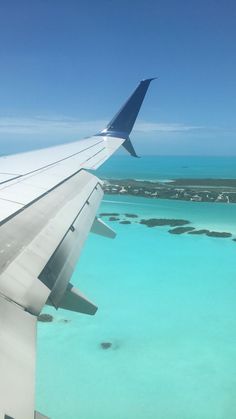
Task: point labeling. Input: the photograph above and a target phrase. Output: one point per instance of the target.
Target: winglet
(129, 147)
(124, 120)
(122, 123)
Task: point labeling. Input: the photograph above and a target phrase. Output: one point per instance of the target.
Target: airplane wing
(48, 205)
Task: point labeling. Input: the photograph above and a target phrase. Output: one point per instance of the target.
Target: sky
(67, 67)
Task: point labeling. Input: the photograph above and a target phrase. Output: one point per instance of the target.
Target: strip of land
(199, 190)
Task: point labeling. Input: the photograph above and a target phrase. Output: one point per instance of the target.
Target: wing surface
(48, 205)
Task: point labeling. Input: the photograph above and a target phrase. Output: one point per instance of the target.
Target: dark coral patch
(218, 234)
(45, 318)
(109, 214)
(212, 233)
(154, 222)
(106, 345)
(181, 230)
(203, 231)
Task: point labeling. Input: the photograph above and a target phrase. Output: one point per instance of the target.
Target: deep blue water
(168, 167)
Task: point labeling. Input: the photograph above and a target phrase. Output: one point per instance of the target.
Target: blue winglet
(122, 123)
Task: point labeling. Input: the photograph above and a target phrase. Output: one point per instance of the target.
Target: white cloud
(164, 127)
(43, 125)
(66, 125)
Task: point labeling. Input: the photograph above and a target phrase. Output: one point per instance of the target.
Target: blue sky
(67, 66)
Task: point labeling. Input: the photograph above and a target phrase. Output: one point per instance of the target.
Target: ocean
(166, 304)
(168, 167)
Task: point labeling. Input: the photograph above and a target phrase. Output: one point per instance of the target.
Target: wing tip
(148, 80)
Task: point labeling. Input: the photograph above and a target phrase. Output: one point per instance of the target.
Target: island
(197, 190)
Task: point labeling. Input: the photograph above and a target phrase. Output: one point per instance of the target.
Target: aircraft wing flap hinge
(38, 415)
(102, 229)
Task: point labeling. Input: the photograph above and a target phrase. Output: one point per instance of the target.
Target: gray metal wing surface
(48, 205)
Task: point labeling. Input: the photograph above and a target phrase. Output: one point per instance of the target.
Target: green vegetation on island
(197, 190)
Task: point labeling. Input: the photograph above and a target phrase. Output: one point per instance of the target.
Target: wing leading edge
(48, 205)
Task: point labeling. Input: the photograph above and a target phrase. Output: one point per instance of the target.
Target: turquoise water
(167, 305)
(169, 167)
(213, 216)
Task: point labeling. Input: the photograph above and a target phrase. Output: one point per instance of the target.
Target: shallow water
(218, 216)
(167, 305)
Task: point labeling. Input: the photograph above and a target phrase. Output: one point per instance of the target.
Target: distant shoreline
(198, 190)
(231, 183)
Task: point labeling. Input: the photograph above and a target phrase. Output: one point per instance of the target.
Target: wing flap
(58, 271)
(31, 237)
(73, 300)
(17, 361)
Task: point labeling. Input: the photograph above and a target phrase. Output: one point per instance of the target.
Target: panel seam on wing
(10, 200)
(55, 162)
(41, 196)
